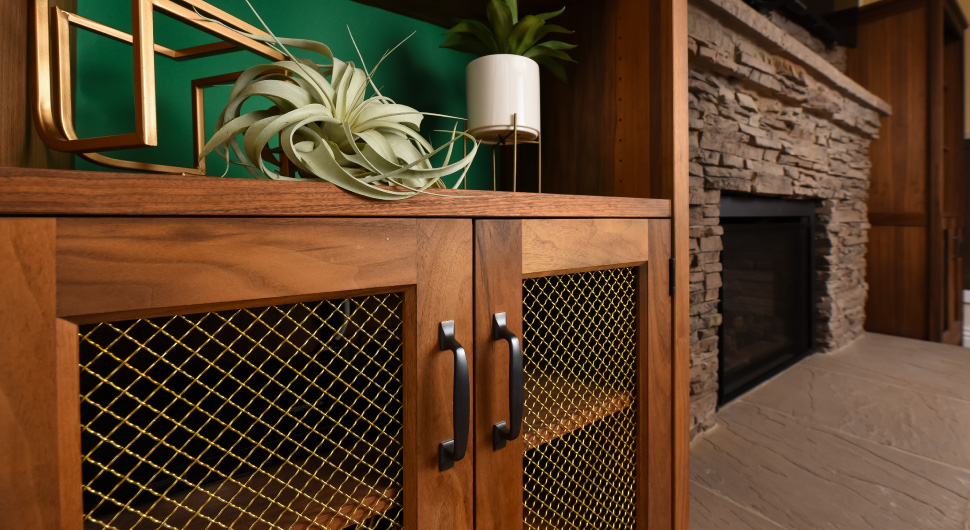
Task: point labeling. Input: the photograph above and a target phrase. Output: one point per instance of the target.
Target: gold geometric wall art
(52, 84)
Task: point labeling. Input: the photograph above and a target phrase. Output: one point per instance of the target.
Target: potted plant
(504, 81)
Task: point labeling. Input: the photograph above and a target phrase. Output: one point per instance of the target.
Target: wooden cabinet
(910, 53)
(202, 360)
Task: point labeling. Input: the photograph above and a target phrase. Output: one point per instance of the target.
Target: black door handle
(451, 451)
(501, 432)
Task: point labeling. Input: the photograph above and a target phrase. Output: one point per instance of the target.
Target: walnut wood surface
(894, 68)
(498, 289)
(910, 54)
(444, 500)
(557, 246)
(69, 425)
(657, 412)
(54, 192)
(29, 430)
(108, 267)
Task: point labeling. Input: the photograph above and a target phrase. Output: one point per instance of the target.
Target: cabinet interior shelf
(562, 406)
(342, 500)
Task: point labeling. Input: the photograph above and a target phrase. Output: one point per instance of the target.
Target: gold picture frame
(52, 84)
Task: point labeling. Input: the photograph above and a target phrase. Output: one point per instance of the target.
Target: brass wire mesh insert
(579, 429)
(285, 416)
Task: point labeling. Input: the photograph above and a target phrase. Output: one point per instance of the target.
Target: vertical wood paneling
(935, 244)
(910, 54)
(896, 275)
(632, 156)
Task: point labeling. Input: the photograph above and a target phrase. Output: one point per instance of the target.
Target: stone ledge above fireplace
(770, 117)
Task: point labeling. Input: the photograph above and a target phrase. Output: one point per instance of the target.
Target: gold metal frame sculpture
(53, 112)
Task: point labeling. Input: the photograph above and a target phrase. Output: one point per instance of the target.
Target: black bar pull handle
(451, 451)
(502, 432)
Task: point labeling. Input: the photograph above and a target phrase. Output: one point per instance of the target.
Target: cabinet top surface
(47, 192)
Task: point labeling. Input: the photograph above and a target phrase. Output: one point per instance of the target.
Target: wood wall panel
(910, 54)
(897, 293)
(890, 61)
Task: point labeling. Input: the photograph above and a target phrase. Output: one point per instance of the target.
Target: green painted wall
(418, 74)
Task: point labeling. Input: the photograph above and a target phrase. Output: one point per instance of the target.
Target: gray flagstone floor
(875, 436)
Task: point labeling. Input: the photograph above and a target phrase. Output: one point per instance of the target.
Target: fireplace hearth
(767, 298)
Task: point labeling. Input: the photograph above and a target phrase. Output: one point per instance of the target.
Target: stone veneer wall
(770, 117)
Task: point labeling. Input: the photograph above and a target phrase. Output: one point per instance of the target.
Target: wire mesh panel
(285, 416)
(580, 426)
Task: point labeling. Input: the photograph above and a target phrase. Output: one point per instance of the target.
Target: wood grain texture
(498, 289)
(52, 192)
(579, 118)
(69, 425)
(916, 178)
(19, 144)
(951, 206)
(113, 266)
(656, 411)
(637, 76)
(29, 430)
(890, 61)
(896, 275)
(897, 219)
(934, 191)
(558, 246)
(445, 499)
(669, 174)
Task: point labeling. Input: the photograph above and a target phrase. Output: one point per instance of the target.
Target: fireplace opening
(766, 297)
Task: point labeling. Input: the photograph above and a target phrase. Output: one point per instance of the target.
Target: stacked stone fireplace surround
(772, 115)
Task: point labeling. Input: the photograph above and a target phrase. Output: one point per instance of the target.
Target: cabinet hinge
(672, 278)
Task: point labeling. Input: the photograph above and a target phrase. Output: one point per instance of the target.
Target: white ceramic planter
(499, 86)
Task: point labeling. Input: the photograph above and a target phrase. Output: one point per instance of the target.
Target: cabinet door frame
(84, 270)
(509, 251)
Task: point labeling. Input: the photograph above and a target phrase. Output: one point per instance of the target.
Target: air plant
(506, 33)
(328, 128)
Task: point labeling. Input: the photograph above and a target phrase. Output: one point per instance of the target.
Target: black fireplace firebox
(766, 296)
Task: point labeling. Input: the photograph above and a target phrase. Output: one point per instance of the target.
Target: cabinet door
(258, 373)
(589, 301)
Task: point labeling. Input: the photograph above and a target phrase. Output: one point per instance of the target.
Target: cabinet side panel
(445, 499)
(656, 370)
(498, 289)
(28, 413)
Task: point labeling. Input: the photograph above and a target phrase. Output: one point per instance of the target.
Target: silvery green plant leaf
(330, 129)
(505, 32)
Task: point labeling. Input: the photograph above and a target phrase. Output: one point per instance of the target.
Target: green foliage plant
(506, 33)
(328, 128)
